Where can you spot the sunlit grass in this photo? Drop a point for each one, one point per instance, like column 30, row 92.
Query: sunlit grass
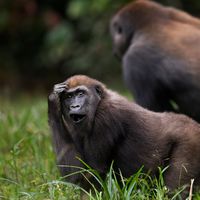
column 28, row 169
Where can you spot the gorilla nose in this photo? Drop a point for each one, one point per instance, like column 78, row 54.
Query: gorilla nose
column 75, row 107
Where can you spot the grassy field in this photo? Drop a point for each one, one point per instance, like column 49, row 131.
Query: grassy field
column 27, row 162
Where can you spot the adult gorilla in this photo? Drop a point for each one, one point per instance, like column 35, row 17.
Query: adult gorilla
column 98, row 125
column 159, row 47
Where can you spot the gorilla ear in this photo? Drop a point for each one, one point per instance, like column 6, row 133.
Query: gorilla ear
column 99, row 90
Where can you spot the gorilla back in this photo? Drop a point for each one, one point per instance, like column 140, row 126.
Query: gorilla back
column 98, row 125
column 159, row 47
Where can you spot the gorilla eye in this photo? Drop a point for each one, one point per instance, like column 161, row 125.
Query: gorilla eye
column 119, row 30
column 68, row 96
column 80, row 93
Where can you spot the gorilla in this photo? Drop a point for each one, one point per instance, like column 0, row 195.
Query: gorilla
column 159, row 48
column 97, row 125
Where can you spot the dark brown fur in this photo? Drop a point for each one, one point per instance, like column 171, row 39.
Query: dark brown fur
column 159, row 47
column 128, row 134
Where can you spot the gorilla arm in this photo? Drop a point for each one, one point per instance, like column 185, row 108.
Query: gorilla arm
column 66, row 153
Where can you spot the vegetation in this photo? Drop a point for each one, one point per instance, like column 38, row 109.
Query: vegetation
column 28, row 169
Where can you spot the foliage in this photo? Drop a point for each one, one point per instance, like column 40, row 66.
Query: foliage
column 46, row 41
column 138, row 186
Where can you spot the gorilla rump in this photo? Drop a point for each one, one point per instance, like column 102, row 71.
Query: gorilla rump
column 159, row 48
column 98, row 125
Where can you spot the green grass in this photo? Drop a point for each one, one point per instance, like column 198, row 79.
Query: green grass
column 27, row 163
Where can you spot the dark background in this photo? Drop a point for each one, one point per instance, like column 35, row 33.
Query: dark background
column 42, row 42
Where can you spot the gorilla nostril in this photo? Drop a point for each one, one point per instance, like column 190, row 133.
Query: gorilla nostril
column 75, row 106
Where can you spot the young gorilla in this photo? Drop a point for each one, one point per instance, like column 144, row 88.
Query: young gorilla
column 159, row 47
column 91, row 122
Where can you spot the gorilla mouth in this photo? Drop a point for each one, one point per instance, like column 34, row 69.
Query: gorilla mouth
column 77, row 118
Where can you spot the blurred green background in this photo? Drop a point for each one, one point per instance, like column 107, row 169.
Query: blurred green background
column 45, row 41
